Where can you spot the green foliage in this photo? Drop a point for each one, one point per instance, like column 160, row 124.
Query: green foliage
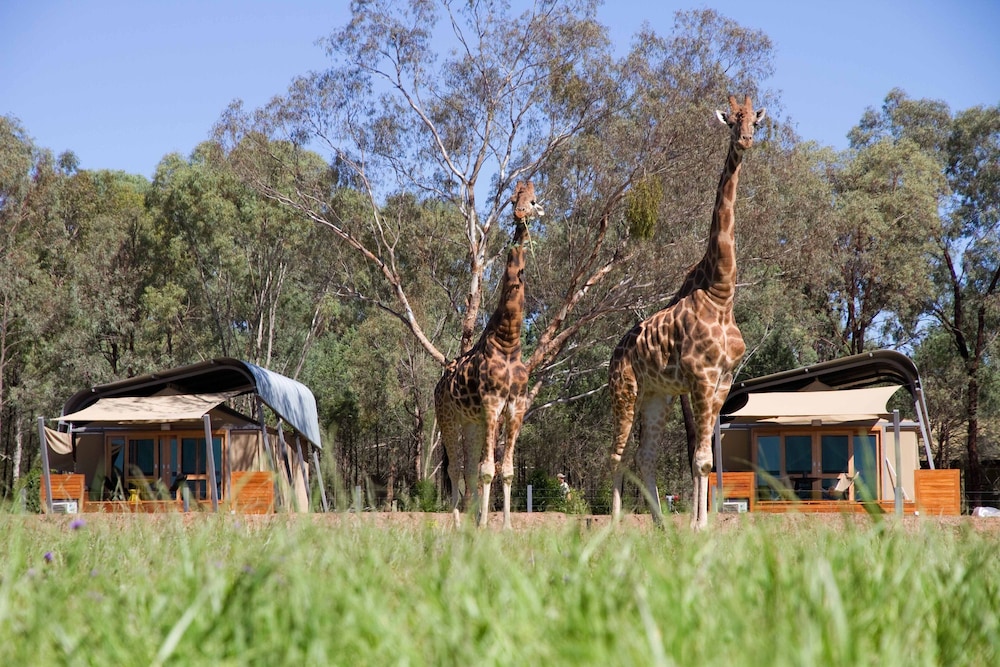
column 545, row 493
column 424, row 498
column 226, row 590
column 642, row 208
column 575, row 503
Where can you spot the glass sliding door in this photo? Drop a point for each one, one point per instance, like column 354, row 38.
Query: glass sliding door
column 809, row 463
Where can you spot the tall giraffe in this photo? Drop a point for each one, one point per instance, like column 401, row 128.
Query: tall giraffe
column 690, row 347
column 488, row 383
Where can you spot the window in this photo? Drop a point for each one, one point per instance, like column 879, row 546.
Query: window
column 808, row 463
column 155, row 463
column 866, row 464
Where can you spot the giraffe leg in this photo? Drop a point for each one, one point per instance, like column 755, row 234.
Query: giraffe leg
column 487, row 462
column 515, row 417
column 653, row 413
column 624, row 391
column 473, row 450
column 451, row 437
column 705, row 403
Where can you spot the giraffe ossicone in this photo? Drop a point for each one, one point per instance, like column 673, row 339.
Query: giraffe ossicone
column 485, row 388
column 690, row 347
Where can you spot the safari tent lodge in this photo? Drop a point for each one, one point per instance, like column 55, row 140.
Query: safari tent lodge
column 185, row 439
column 822, row 439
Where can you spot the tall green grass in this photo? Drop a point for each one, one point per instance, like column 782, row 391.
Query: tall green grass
column 220, row 590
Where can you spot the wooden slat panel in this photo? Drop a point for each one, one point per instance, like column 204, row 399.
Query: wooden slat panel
column 938, row 492
column 67, row 487
column 736, row 485
column 253, row 492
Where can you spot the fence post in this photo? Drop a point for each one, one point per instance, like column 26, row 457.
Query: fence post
column 529, row 499
column 357, row 499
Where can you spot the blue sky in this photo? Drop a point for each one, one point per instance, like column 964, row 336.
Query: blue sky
column 122, row 83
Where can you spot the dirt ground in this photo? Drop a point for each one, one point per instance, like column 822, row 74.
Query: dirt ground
column 559, row 521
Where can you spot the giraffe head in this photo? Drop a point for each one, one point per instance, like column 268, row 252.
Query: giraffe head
column 742, row 121
column 525, row 205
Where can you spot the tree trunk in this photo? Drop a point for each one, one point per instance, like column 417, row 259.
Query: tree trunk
column 18, row 450
column 974, row 467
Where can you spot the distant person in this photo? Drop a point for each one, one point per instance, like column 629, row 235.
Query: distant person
column 563, row 486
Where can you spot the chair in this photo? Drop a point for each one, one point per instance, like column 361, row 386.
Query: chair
column 840, row 490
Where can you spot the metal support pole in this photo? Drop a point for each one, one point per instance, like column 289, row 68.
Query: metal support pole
column 319, row 478
column 46, row 473
column 288, row 468
column 899, row 464
column 529, row 498
column 718, row 463
column 213, row 490
column 303, row 469
column 924, row 419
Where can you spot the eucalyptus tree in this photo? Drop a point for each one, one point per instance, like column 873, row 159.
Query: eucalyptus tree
column 886, row 200
column 450, row 104
column 967, row 268
column 961, row 292
column 231, row 267
column 22, row 170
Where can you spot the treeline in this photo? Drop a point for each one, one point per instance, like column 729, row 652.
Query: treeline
column 349, row 235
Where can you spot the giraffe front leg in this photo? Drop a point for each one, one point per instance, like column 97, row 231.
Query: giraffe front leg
column 515, row 417
column 487, row 465
column 706, row 405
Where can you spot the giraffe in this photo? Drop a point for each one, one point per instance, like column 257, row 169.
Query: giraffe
column 488, row 383
column 690, row 347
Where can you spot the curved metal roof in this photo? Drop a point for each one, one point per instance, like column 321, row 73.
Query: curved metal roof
column 289, row 399
column 860, row 370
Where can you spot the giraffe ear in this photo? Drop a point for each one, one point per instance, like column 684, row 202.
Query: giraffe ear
column 721, row 115
column 760, row 114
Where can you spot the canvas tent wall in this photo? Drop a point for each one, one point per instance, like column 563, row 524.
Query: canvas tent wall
column 182, row 398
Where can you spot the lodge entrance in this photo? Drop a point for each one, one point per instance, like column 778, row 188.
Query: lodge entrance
column 808, row 463
column 154, row 465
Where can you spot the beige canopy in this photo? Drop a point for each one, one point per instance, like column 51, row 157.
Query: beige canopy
column 148, row 409
column 804, row 407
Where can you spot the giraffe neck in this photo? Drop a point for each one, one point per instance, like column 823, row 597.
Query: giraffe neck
column 719, row 263
column 503, row 331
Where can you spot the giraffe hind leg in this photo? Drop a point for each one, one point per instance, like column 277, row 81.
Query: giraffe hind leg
column 654, row 414
column 451, row 436
column 623, row 429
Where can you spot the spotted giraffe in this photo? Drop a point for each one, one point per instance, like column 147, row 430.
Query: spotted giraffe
column 690, row 347
column 488, row 384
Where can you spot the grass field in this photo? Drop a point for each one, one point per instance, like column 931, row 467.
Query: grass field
column 229, row 590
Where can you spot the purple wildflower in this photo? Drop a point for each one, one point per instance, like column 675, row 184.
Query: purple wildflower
column 77, row 524
column 48, row 556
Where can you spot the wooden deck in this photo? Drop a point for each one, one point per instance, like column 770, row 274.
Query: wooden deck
column 832, row 507
column 938, row 493
column 253, row 493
